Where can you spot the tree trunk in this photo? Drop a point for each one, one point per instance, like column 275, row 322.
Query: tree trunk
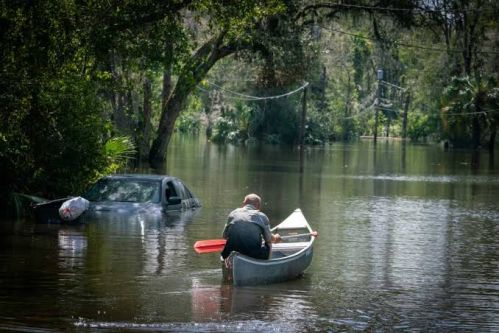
column 121, row 98
column 117, row 97
column 346, row 120
column 213, row 111
column 323, row 85
column 475, row 134
column 475, row 125
column 404, row 121
column 167, row 87
column 193, row 72
column 146, row 118
column 492, row 139
column 167, row 123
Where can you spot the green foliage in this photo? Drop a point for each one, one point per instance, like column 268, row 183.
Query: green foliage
column 281, row 119
column 52, row 144
column 238, row 18
column 74, row 74
column 419, row 128
column 232, row 125
column 190, row 121
column 463, row 100
column 117, row 153
column 317, row 129
column 68, row 130
column 54, row 121
column 360, row 62
column 458, row 101
column 225, row 131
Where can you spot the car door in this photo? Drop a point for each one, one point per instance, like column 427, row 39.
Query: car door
column 188, row 200
column 193, row 201
column 172, row 197
column 182, row 194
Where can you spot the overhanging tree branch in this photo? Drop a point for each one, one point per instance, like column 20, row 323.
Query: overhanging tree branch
column 194, row 71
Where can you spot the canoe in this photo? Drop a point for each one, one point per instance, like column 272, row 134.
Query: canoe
column 288, row 259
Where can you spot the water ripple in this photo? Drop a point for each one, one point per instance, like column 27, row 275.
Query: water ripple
column 227, row 326
column 444, row 179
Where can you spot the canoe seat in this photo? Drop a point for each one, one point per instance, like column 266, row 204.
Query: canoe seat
column 280, row 250
column 290, row 245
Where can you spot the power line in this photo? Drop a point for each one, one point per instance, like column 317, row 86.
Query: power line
column 256, row 98
column 422, row 47
column 485, row 111
column 392, row 85
column 367, row 110
column 401, row 9
column 372, row 109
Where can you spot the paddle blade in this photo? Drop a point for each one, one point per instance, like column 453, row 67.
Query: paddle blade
column 209, row 245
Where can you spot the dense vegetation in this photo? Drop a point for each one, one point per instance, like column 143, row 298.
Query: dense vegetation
column 79, row 78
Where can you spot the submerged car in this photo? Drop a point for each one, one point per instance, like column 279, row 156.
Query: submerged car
column 128, row 193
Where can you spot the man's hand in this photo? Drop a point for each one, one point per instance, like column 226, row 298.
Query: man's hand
column 276, row 238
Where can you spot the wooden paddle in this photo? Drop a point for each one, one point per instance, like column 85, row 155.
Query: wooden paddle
column 217, row 245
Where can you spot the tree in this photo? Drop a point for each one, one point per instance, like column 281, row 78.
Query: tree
column 466, row 102
column 465, row 26
column 51, row 116
column 192, row 73
column 233, row 28
column 55, row 70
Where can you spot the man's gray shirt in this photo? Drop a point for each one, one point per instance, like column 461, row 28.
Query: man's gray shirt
column 249, row 213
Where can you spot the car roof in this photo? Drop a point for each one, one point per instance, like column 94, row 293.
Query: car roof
column 141, row 177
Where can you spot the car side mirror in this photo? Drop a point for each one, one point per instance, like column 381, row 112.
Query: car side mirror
column 174, row 201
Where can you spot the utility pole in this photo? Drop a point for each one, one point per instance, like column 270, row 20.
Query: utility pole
column 404, row 120
column 301, row 137
column 379, row 75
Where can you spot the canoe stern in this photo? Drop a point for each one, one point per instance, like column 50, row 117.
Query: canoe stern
column 242, row 270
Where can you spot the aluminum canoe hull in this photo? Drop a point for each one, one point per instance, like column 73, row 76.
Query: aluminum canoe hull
column 242, row 270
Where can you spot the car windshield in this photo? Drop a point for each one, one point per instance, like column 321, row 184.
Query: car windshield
column 125, row 190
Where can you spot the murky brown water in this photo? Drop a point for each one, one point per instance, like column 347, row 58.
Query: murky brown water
column 408, row 242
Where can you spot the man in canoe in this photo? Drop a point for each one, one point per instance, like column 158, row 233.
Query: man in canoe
column 245, row 229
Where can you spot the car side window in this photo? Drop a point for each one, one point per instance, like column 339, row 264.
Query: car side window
column 188, row 192
column 170, row 190
column 181, row 190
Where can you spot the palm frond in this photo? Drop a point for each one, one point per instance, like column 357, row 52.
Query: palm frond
column 118, row 151
column 120, row 148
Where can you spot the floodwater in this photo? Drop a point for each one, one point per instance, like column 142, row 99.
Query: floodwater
column 408, row 242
